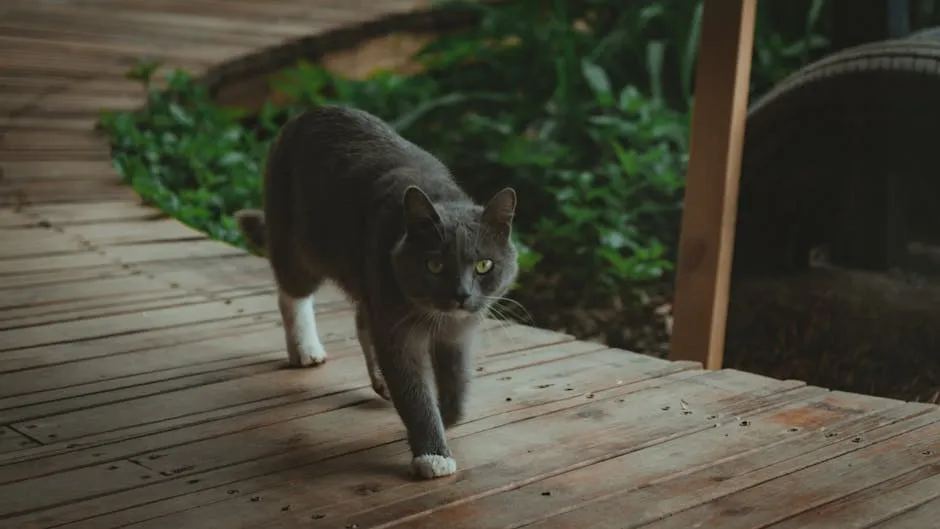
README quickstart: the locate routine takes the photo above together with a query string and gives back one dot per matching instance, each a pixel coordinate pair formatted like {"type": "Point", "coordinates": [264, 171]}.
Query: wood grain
{"type": "Point", "coordinates": [703, 268]}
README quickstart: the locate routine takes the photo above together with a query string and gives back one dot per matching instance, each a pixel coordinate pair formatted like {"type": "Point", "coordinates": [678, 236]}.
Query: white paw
{"type": "Point", "coordinates": [306, 354]}
{"type": "Point", "coordinates": [433, 466]}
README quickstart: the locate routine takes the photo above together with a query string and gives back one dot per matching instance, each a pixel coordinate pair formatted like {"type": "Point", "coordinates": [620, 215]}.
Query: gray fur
{"type": "Point", "coordinates": [348, 199]}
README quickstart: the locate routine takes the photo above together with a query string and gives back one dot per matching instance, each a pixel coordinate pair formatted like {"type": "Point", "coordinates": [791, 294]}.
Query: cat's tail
{"type": "Point", "coordinates": [251, 223]}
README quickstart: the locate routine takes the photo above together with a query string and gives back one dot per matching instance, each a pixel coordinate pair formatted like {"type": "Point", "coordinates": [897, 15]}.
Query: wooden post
{"type": "Point", "coordinates": [711, 194]}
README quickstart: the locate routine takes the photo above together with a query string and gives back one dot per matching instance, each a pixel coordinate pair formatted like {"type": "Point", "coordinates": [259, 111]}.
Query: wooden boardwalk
{"type": "Point", "coordinates": [141, 379]}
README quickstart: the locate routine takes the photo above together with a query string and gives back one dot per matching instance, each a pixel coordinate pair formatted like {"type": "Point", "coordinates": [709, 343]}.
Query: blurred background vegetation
{"type": "Point", "coordinates": [582, 105]}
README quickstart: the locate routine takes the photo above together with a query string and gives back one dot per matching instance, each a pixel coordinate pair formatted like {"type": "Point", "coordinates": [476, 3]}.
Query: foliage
{"type": "Point", "coordinates": [581, 105]}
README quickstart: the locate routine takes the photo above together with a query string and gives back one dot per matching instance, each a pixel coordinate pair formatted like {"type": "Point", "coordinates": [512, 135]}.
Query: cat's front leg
{"type": "Point", "coordinates": [403, 364]}
{"type": "Point", "coordinates": [452, 360]}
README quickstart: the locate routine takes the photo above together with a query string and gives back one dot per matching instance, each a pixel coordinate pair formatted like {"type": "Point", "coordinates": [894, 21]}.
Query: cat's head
{"type": "Point", "coordinates": [456, 258]}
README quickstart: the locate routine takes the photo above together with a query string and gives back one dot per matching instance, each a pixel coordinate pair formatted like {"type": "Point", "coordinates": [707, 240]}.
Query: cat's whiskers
{"type": "Point", "coordinates": [527, 318]}
{"type": "Point", "coordinates": [503, 326]}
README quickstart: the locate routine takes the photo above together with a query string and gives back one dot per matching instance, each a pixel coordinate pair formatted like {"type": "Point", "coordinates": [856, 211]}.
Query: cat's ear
{"type": "Point", "coordinates": [421, 217]}
{"type": "Point", "coordinates": [501, 209]}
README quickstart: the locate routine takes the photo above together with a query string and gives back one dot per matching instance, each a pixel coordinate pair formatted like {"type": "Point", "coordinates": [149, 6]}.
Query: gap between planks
{"type": "Point", "coordinates": [266, 454]}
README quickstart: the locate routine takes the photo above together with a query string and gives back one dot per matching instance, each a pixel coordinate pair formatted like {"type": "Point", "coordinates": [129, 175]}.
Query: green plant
{"type": "Point", "coordinates": [581, 105]}
{"type": "Point", "coordinates": [188, 156]}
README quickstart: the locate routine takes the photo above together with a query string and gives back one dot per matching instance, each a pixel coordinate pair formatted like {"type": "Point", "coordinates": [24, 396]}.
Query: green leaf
{"type": "Point", "coordinates": [598, 82]}
{"type": "Point", "coordinates": [655, 56]}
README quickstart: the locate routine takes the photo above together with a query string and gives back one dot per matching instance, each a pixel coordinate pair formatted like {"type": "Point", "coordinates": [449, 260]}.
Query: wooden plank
{"type": "Point", "coordinates": [19, 269]}
{"type": "Point", "coordinates": [232, 347]}
{"type": "Point", "coordinates": [821, 483]}
{"type": "Point", "coordinates": [866, 508]}
{"type": "Point", "coordinates": [186, 332]}
{"type": "Point", "coordinates": [707, 236]}
{"type": "Point", "coordinates": [19, 332]}
{"type": "Point", "coordinates": [252, 445]}
{"type": "Point", "coordinates": [94, 86]}
{"type": "Point", "coordinates": [917, 518]}
{"type": "Point", "coordinates": [17, 390]}
{"type": "Point", "coordinates": [137, 231]}
{"type": "Point", "coordinates": [109, 326]}
{"type": "Point", "coordinates": [147, 438]}
{"type": "Point", "coordinates": [556, 437]}
{"type": "Point", "coordinates": [126, 255]}
{"type": "Point", "coordinates": [532, 501]}
{"type": "Point", "coordinates": [69, 105]}
{"type": "Point", "coordinates": [19, 83]}
{"type": "Point", "coordinates": [143, 385]}
{"type": "Point", "coordinates": [16, 170]}
{"type": "Point", "coordinates": [58, 456]}
{"type": "Point", "coordinates": [114, 31]}
{"type": "Point", "coordinates": [257, 443]}
{"type": "Point", "coordinates": [43, 296]}
{"type": "Point", "coordinates": [74, 192]}
{"type": "Point", "coordinates": [674, 502]}
{"type": "Point", "coordinates": [22, 243]}
{"type": "Point", "coordinates": [174, 250]}
{"type": "Point", "coordinates": [323, 16]}
{"type": "Point", "coordinates": [28, 279]}
{"type": "Point", "coordinates": [77, 155]}
{"type": "Point", "coordinates": [24, 317]}
{"type": "Point", "coordinates": [54, 41]}
{"type": "Point", "coordinates": [94, 309]}
{"type": "Point", "coordinates": [20, 122]}
{"type": "Point", "coordinates": [10, 219]}
{"type": "Point", "coordinates": [240, 269]}
{"type": "Point", "coordinates": [100, 212]}
{"type": "Point", "coordinates": [126, 413]}
{"type": "Point", "coordinates": [41, 142]}
{"type": "Point", "coordinates": [32, 56]}
{"type": "Point", "coordinates": [13, 441]}
{"type": "Point", "coordinates": [26, 63]}
{"type": "Point", "coordinates": [346, 436]}
{"type": "Point", "coordinates": [215, 29]}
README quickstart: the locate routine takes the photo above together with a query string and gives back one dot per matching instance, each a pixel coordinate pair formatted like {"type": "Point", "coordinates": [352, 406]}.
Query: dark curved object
{"type": "Point", "coordinates": [843, 152]}
{"type": "Point", "coordinates": [927, 33]}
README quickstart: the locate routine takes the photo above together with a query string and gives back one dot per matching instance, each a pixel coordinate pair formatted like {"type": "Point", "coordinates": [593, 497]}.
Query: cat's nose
{"type": "Point", "coordinates": [461, 296]}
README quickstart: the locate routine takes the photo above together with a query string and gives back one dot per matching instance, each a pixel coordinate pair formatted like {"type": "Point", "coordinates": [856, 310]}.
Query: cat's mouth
{"type": "Point", "coordinates": [450, 309]}
{"type": "Point", "coordinates": [453, 311]}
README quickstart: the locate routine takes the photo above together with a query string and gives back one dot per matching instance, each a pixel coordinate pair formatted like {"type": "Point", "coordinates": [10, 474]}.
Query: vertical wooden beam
{"type": "Point", "coordinates": [711, 193]}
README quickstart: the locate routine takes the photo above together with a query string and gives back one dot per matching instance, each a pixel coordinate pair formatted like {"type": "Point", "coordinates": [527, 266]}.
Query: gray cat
{"type": "Point", "coordinates": [348, 199]}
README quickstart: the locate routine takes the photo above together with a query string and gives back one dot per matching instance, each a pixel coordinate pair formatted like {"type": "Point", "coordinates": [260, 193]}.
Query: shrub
{"type": "Point", "coordinates": [581, 105]}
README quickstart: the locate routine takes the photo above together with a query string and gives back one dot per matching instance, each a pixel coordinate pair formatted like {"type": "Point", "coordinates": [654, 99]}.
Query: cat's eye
{"type": "Point", "coordinates": [483, 266]}
{"type": "Point", "coordinates": [435, 266]}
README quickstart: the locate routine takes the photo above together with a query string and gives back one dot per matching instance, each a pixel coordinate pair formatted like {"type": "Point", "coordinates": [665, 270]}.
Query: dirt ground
{"type": "Point", "coordinates": [862, 332]}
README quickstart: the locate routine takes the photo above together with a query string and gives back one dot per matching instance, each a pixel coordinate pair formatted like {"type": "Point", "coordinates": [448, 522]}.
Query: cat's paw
{"type": "Point", "coordinates": [433, 466]}
{"type": "Point", "coordinates": [305, 354]}
{"type": "Point", "coordinates": [451, 411]}
{"type": "Point", "coordinates": [380, 387]}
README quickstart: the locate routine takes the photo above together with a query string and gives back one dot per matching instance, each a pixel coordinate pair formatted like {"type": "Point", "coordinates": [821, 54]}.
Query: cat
{"type": "Point", "coordinates": [347, 199]}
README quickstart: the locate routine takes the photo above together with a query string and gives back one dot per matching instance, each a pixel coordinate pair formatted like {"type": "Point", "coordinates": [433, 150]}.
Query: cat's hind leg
{"type": "Point", "coordinates": [296, 287]}
{"type": "Point", "coordinates": [304, 348]}
{"type": "Point", "coordinates": [368, 350]}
